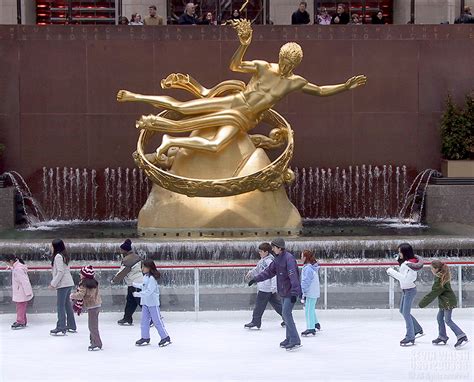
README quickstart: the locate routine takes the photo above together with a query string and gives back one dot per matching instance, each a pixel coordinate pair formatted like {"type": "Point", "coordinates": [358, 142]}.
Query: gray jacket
{"type": "Point", "coordinates": [61, 273]}
{"type": "Point", "coordinates": [269, 285]}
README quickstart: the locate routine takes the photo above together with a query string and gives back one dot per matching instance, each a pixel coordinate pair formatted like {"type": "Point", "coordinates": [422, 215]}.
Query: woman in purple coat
{"type": "Point", "coordinates": [285, 268]}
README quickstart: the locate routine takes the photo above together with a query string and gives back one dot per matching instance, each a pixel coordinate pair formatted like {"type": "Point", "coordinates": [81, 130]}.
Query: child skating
{"type": "Point", "coordinates": [409, 265]}
{"type": "Point", "coordinates": [446, 301]}
{"type": "Point", "coordinates": [150, 301]}
{"type": "Point", "coordinates": [21, 289]}
{"type": "Point", "coordinates": [267, 290]}
{"type": "Point", "coordinates": [311, 291]}
{"type": "Point", "coordinates": [88, 297]}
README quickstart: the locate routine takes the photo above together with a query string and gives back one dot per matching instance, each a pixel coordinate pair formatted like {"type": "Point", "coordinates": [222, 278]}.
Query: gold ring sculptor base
{"type": "Point", "coordinates": [169, 213]}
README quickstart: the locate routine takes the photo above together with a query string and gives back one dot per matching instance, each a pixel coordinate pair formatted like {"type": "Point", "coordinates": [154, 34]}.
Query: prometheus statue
{"type": "Point", "coordinates": [219, 161]}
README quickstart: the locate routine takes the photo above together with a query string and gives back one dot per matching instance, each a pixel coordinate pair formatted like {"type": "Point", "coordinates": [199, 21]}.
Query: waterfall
{"type": "Point", "coordinates": [375, 191]}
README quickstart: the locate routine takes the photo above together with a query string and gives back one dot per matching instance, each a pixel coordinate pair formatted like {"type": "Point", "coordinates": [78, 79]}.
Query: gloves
{"type": "Point", "coordinates": [138, 285]}
{"type": "Point", "coordinates": [136, 294]}
{"type": "Point", "coordinates": [293, 299]}
{"type": "Point", "coordinates": [251, 282]}
{"type": "Point", "coordinates": [303, 300]}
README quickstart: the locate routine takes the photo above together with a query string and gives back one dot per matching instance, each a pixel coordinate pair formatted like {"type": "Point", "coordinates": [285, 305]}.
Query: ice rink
{"type": "Point", "coordinates": [353, 345]}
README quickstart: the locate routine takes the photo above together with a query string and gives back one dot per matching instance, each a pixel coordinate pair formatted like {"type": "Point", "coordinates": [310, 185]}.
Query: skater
{"type": "Point", "coordinates": [285, 268]}
{"type": "Point", "coordinates": [130, 272]}
{"type": "Point", "coordinates": [21, 289]}
{"type": "Point", "coordinates": [150, 301]}
{"type": "Point", "coordinates": [62, 282]}
{"type": "Point", "coordinates": [88, 297]}
{"type": "Point", "coordinates": [266, 289]}
{"type": "Point", "coordinates": [446, 302]}
{"type": "Point", "coordinates": [311, 291]}
{"type": "Point", "coordinates": [409, 266]}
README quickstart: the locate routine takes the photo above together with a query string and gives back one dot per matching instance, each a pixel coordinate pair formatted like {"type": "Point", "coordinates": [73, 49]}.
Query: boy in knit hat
{"type": "Point", "coordinates": [130, 272]}
{"type": "Point", "coordinates": [285, 268]}
{"type": "Point", "coordinates": [88, 297]}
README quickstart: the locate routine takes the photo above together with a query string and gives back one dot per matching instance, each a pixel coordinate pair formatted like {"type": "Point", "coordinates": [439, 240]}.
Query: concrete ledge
{"type": "Point", "coordinates": [7, 208]}
{"type": "Point", "coordinates": [450, 203]}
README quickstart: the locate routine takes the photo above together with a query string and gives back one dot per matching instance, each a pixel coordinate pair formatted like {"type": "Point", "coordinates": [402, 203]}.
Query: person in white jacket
{"type": "Point", "coordinates": [267, 290]}
{"type": "Point", "coordinates": [63, 283]}
{"type": "Point", "coordinates": [407, 274]}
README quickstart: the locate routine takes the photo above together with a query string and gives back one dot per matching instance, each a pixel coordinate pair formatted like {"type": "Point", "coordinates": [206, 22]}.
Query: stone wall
{"type": "Point", "coordinates": [7, 208]}
{"type": "Point", "coordinates": [450, 203]}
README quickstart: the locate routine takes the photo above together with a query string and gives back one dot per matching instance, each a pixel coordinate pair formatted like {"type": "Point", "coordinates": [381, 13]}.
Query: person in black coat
{"type": "Point", "coordinates": [341, 16]}
{"type": "Point", "coordinates": [300, 16]}
{"type": "Point", "coordinates": [378, 18]}
{"type": "Point", "coordinates": [189, 15]}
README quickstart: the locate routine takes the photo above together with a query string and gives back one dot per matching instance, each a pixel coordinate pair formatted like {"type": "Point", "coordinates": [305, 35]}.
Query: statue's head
{"type": "Point", "coordinates": [290, 57]}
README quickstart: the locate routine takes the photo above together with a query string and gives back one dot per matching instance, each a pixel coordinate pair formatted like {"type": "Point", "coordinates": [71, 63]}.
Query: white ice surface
{"type": "Point", "coordinates": [354, 345]}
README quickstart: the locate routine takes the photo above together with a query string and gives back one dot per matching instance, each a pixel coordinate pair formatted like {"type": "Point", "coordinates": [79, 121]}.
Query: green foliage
{"type": "Point", "coordinates": [457, 130]}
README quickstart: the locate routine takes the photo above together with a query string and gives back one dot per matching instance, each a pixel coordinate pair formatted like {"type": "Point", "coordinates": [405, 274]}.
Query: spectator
{"type": "Point", "coordinates": [323, 18]}
{"type": "Point", "coordinates": [356, 20]}
{"type": "Point", "coordinates": [300, 16]}
{"type": "Point", "coordinates": [209, 19]}
{"type": "Point", "coordinates": [153, 18]}
{"type": "Point", "coordinates": [341, 16]}
{"type": "Point", "coordinates": [189, 15]}
{"type": "Point", "coordinates": [136, 19]}
{"type": "Point", "coordinates": [378, 18]}
{"type": "Point", "coordinates": [465, 18]}
{"type": "Point", "coordinates": [123, 20]}
{"type": "Point", "coordinates": [235, 15]}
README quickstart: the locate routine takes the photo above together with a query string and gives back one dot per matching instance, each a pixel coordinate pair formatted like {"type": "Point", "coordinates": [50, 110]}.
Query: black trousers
{"type": "Point", "coordinates": [263, 298]}
{"type": "Point", "coordinates": [132, 303]}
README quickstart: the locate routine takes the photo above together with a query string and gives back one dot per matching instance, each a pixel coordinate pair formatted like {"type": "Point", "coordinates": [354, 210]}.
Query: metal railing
{"type": "Point", "coordinates": [459, 265]}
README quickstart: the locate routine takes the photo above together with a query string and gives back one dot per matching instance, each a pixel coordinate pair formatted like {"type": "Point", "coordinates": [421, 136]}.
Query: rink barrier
{"type": "Point", "coordinates": [391, 285]}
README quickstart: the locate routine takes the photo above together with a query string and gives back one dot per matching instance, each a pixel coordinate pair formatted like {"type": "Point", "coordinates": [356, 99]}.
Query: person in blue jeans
{"type": "Point", "coordinates": [150, 302]}
{"type": "Point", "coordinates": [409, 266]}
{"type": "Point", "coordinates": [285, 268]}
{"type": "Point", "coordinates": [446, 303]}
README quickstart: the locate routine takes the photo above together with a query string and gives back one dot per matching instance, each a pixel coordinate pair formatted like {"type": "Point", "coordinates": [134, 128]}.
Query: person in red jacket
{"type": "Point", "coordinates": [21, 289]}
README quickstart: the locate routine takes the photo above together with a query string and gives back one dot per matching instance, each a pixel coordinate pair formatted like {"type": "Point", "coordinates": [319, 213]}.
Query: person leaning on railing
{"type": "Point", "coordinates": [153, 18]}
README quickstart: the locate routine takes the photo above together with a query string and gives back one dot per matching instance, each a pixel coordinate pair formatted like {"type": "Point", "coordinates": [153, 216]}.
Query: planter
{"type": "Point", "coordinates": [458, 168]}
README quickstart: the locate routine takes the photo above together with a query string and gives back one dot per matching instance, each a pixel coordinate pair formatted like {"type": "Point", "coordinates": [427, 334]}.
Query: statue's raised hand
{"type": "Point", "coordinates": [355, 81]}
{"type": "Point", "coordinates": [244, 30]}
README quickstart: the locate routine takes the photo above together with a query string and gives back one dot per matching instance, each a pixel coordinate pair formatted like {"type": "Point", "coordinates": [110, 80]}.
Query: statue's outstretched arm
{"type": "Point", "coordinates": [244, 31]}
{"type": "Point", "coordinates": [329, 90]}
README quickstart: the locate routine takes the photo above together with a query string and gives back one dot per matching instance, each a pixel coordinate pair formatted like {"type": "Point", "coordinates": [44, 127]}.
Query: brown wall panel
{"type": "Point", "coordinates": [52, 77]}
{"type": "Point", "coordinates": [58, 86]}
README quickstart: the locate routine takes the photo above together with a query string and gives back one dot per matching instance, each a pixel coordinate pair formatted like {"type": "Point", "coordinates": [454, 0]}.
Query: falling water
{"type": "Point", "coordinates": [119, 193]}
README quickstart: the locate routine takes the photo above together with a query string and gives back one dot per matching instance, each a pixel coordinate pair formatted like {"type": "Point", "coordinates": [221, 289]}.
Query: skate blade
{"type": "Point", "coordinates": [419, 335]}
{"type": "Point", "coordinates": [254, 328]}
{"type": "Point", "coordinates": [164, 345]}
{"type": "Point", "coordinates": [462, 345]}
{"type": "Point", "coordinates": [125, 324]}
{"type": "Point", "coordinates": [407, 345]}
{"type": "Point", "coordinates": [95, 349]}
{"type": "Point", "coordinates": [58, 334]}
{"type": "Point", "coordinates": [440, 344]}
{"type": "Point", "coordinates": [145, 344]}
{"type": "Point", "coordinates": [294, 348]}
{"type": "Point", "coordinates": [19, 328]}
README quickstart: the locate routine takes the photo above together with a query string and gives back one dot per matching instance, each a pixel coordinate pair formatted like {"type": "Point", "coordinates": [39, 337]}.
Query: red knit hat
{"type": "Point", "coordinates": [88, 272]}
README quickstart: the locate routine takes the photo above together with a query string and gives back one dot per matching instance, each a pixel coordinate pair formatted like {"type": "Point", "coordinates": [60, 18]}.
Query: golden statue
{"type": "Point", "coordinates": [220, 176]}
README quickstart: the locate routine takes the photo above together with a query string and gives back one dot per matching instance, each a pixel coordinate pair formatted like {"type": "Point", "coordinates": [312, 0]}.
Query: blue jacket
{"type": "Point", "coordinates": [284, 267]}
{"type": "Point", "coordinates": [150, 293]}
{"type": "Point", "coordinates": [310, 281]}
